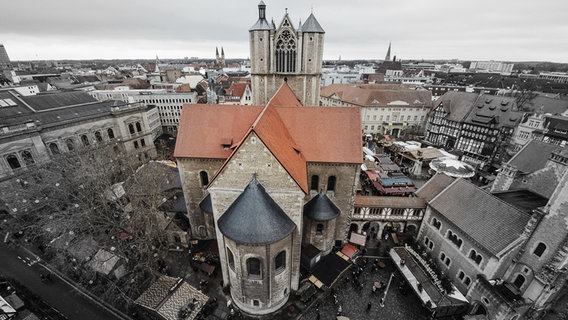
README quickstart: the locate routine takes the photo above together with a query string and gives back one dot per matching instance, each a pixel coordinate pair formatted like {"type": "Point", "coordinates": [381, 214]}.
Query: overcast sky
{"type": "Point", "coordinates": [510, 30]}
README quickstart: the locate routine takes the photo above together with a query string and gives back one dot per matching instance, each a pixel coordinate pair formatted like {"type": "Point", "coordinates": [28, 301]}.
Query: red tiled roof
{"type": "Point", "coordinates": [293, 133]}
{"type": "Point", "coordinates": [237, 89]}
{"type": "Point", "coordinates": [184, 88]}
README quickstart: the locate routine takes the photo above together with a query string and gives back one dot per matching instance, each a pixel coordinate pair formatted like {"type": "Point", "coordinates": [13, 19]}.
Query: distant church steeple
{"type": "Point", "coordinates": [388, 56]}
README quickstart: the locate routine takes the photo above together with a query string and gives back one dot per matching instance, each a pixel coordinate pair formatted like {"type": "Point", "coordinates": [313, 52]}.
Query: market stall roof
{"type": "Point", "coordinates": [452, 167]}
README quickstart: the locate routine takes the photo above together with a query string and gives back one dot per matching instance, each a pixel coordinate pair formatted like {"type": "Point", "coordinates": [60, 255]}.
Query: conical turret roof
{"type": "Point", "coordinates": [321, 208]}
{"type": "Point", "coordinates": [255, 218]}
{"type": "Point", "coordinates": [312, 25]}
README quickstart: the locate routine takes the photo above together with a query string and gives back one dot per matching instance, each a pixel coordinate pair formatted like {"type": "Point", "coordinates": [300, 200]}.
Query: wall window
{"type": "Point", "coordinates": [70, 144]}
{"type": "Point", "coordinates": [131, 128]}
{"type": "Point", "coordinates": [135, 144]}
{"type": "Point", "coordinates": [467, 281]}
{"type": "Point", "coordinates": [436, 223]}
{"type": "Point", "coordinates": [285, 52]}
{"type": "Point", "coordinates": [454, 239]}
{"type": "Point", "coordinates": [539, 250]}
{"type": "Point", "coordinates": [519, 281]}
{"type": "Point", "coordinates": [314, 185]}
{"type": "Point", "coordinates": [204, 178]}
{"type": "Point", "coordinates": [110, 133]}
{"type": "Point", "coordinates": [331, 183]}
{"type": "Point", "coordinates": [253, 267]}
{"type": "Point", "coordinates": [319, 229]}
{"type": "Point", "coordinates": [231, 259]}
{"type": "Point", "coordinates": [98, 136]}
{"type": "Point", "coordinates": [445, 259]}
{"type": "Point", "coordinates": [27, 157]}
{"type": "Point", "coordinates": [138, 127]}
{"type": "Point", "coordinates": [476, 257]}
{"type": "Point", "coordinates": [461, 275]}
{"type": "Point", "coordinates": [280, 261]}
{"type": "Point", "coordinates": [142, 142]}
{"type": "Point", "coordinates": [54, 148]}
{"type": "Point", "coordinates": [13, 161]}
{"type": "Point", "coordinates": [85, 140]}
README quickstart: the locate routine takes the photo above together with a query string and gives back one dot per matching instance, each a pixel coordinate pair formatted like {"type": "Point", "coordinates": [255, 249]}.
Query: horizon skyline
{"type": "Point", "coordinates": [437, 30]}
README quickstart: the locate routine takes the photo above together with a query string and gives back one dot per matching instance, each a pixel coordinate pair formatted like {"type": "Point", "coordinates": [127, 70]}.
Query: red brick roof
{"type": "Point", "coordinates": [237, 89]}
{"type": "Point", "coordinates": [293, 133]}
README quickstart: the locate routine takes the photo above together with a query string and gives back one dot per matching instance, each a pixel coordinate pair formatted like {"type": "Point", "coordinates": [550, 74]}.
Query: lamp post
{"type": "Point", "coordinates": [382, 303]}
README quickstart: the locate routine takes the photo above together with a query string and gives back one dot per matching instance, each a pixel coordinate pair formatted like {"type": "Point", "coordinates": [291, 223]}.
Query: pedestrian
{"type": "Point", "coordinates": [369, 305]}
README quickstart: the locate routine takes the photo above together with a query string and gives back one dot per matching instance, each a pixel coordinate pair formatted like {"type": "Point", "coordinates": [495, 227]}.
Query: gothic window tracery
{"type": "Point", "coordinates": [286, 52]}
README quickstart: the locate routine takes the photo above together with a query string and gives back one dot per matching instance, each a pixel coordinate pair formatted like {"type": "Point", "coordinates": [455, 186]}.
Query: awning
{"type": "Point", "coordinates": [349, 250]}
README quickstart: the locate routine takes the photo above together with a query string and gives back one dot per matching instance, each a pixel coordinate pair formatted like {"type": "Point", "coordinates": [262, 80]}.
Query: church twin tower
{"type": "Point", "coordinates": [286, 54]}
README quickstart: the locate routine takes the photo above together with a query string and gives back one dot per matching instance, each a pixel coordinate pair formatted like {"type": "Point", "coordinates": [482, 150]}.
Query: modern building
{"type": "Point", "coordinates": [492, 67]}
{"type": "Point", "coordinates": [168, 104]}
{"type": "Point", "coordinates": [264, 181]}
{"type": "Point", "coordinates": [34, 128]}
{"type": "Point", "coordinates": [286, 54]}
{"type": "Point", "coordinates": [386, 109]}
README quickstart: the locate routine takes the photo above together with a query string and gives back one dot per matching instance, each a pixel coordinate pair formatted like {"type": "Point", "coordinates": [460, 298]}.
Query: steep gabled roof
{"type": "Point", "coordinates": [434, 186]}
{"type": "Point", "coordinates": [312, 25]}
{"type": "Point", "coordinates": [255, 218]}
{"type": "Point", "coordinates": [488, 220]}
{"type": "Point", "coordinates": [533, 156]}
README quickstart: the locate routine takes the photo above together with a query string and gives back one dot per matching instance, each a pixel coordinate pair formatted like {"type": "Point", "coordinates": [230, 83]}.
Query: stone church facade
{"type": "Point", "coordinates": [286, 54]}
{"type": "Point", "coordinates": [266, 181]}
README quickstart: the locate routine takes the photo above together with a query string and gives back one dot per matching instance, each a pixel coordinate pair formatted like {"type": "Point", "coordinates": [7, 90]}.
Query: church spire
{"type": "Point", "coordinates": [388, 56]}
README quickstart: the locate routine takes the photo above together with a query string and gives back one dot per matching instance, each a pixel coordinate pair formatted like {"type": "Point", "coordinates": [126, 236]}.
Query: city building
{"type": "Point", "coordinates": [265, 181]}
{"type": "Point", "coordinates": [286, 54]}
{"type": "Point", "coordinates": [386, 109]}
{"type": "Point", "coordinates": [168, 104]}
{"type": "Point", "coordinates": [492, 67]}
{"type": "Point", "coordinates": [478, 125]}
{"type": "Point", "coordinates": [33, 128]}
{"type": "Point", "coordinates": [505, 251]}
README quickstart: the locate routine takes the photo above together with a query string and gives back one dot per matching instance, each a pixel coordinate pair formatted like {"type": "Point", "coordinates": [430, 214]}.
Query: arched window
{"type": "Point", "coordinates": [476, 257]}
{"type": "Point", "coordinates": [280, 261]}
{"type": "Point", "coordinates": [27, 157]}
{"type": "Point", "coordinates": [314, 185]}
{"type": "Point", "coordinates": [138, 127]}
{"type": "Point", "coordinates": [131, 128]}
{"type": "Point", "coordinates": [253, 267]}
{"type": "Point", "coordinates": [110, 133]}
{"type": "Point", "coordinates": [54, 148]}
{"type": "Point", "coordinates": [285, 52]}
{"type": "Point", "coordinates": [70, 144]}
{"type": "Point", "coordinates": [231, 259]}
{"type": "Point", "coordinates": [13, 161]}
{"type": "Point", "coordinates": [319, 229]}
{"type": "Point", "coordinates": [539, 250]}
{"type": "Point", "coordinates": [98, 136]}
{"type": "Point", "coordinates": [85, 140]}
{"type": "Point", "coordinates": [519, 281]}
{"type": "Point", "coordinates": [331, 183]}
{"type": "Point", "coordinates": [204, 178]}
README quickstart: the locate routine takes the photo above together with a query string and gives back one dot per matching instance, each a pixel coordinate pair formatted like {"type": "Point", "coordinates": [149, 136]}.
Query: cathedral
{"type": "Point", "coordinates": [270, 179]}
{"type": "Point", "coordinates": [265, 181]}
{"type": "Point", "coordinates": [286, 54]}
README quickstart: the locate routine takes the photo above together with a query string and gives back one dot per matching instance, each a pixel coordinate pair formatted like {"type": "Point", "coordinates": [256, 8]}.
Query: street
{"type": "Point", "coordinates": [22, 266]}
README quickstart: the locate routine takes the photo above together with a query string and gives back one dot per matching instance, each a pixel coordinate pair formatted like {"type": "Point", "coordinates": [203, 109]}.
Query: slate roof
{"type": "Point", "coordinates": [488, 220]}
{"type": "Point", "coordinates": [492, 109]}
{"type": "Point", "coordinates": [533, 156]}
{"type": "Point", "coordinates": [542, 182]}
{"type": "Point", "coordinates": [321, 208]}
{"type": "Point", "coordinates": [525, 200]}
{"type": "Point", "coordinates": [255, 218]}
{"type": "Point", "coordinates": [312, 25]}
{"type": "Point", "coordinates": [545, 104]}
{"type": "Point", "coordinates": [52, 109]}
{"type": "Point", "coordinates": [456, 104]}
{"type": "Point", "coordinates": [167, 296]}
{"type": "Point", "coordinates": [175, 204]}
{"type": "Point", "coordinates": [377, 95]}
{"type": "Point", "coordinates": [153, 177]}
{"type": "Point", "coordinates": [206, 205]}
